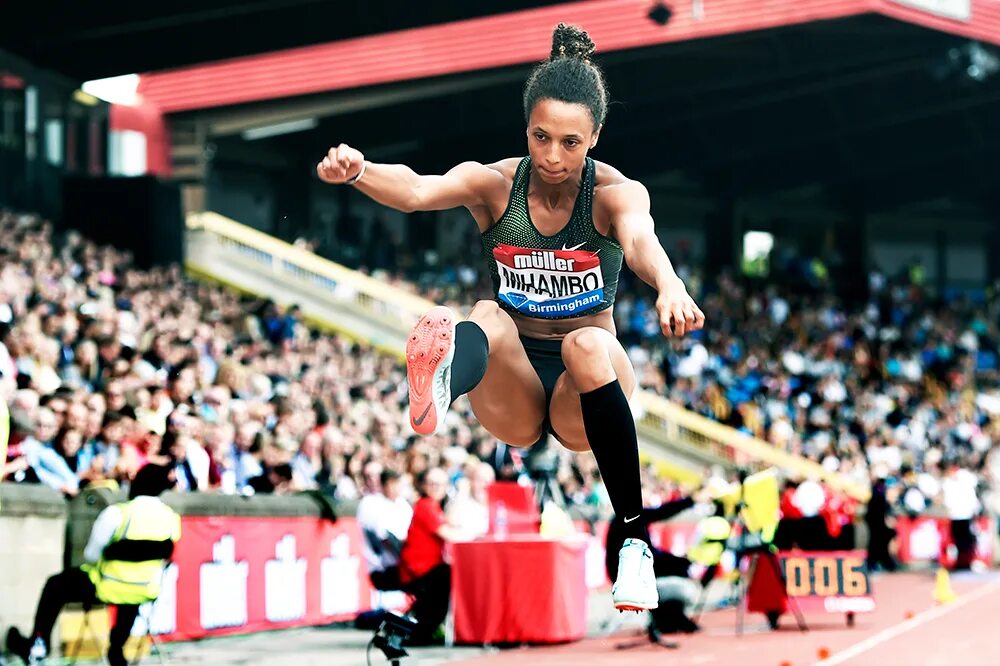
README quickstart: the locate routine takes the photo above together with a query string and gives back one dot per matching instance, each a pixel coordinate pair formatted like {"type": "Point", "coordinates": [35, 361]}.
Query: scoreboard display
{"type": "Point", "coordinates": [837, 582]}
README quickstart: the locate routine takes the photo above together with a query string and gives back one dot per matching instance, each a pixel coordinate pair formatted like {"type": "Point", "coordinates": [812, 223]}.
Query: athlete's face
{"type": "Point", "coordinates": [559, 136]}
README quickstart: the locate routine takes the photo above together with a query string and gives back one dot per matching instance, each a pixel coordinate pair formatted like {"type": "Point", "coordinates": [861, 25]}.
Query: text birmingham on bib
{"type": "Point", "coordinates": [549, 283]}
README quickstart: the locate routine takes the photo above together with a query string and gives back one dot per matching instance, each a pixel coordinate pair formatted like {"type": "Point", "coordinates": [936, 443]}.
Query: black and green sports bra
{"type": "Point", "coordinates": [572, 273]}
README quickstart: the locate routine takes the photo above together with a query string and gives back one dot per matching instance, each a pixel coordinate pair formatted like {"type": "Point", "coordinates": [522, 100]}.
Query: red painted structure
{"type": "Point", "coordinates": [515, 38]}
{"type": "Point", "coordinates": [511, 39]}
{"type": "Point", "coordinates": [148, 120]}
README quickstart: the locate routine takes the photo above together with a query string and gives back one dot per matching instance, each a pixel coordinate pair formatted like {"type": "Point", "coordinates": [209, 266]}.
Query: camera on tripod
{"type": "Point", "coordinates": [542, 463]}
{"type": "Point", "coordinates": [391, 634]}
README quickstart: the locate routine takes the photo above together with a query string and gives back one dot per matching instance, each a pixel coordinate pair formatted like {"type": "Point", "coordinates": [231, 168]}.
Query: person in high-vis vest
{"type": "Point", "coordinates": [129, 546]}
{"type": "Point", "coordinates": [711, 535]}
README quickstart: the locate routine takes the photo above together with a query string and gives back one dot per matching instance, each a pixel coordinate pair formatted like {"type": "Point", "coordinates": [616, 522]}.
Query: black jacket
{"type": "Point", "coordinates": [617, 531]}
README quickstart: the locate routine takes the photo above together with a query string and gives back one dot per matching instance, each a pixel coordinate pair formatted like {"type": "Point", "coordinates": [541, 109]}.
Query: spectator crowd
{"type": "Point", "coordinates": [107, 367]}
{"type": "Point", "coordinates": [901, 389]}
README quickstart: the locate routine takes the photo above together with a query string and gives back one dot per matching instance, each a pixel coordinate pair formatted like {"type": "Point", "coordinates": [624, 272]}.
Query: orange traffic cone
{"type": "Point", "coordinates": [943, 594]}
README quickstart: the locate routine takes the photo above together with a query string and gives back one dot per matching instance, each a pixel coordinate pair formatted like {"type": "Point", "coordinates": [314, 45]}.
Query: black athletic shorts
{"type": "Point", "coordinates": [546, 359]}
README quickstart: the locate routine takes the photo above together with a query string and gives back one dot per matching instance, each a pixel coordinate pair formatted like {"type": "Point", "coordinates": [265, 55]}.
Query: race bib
{"type": "Point", "coordinates": [549, 283]}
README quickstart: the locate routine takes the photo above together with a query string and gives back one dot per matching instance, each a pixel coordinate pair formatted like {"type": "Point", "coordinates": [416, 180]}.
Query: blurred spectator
{"type": "Point", "coordinates": [422, 567]}
{"type": "Point", "coordinates": [960, 501]}
{"type": "Point", "coordinates": [470, 506]}
{"type": "Point", "coordinates": [878, 518]}
{"type": "Point", "coordinates": [275, 480]}
{"type": "Point", "coordinates": [384, 517]}
{"type": "Point", "coordinates": [48, 464]}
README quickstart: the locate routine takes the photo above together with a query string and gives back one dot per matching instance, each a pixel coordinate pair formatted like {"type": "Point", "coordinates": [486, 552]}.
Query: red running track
{"type": "Point", "coordinates": [907, 628]}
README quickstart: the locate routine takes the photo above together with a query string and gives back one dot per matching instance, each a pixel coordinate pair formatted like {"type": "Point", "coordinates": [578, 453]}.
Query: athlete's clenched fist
{"type": "Point", "coordinates": [340, 165]}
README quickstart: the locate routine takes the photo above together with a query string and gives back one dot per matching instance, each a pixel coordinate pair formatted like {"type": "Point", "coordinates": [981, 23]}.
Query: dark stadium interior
{"type": "Point", "coordinates": [93, 40]}
{"type": "Point", "coordinates": [882, 112]}
{"type": "Point", "coordinates": [881, 121]}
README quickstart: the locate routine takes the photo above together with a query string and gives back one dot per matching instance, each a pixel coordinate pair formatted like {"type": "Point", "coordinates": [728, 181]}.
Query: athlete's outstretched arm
{"type": "Point", "coordinates": [399, 187]}
{"type": "Point", "coordinates": [632, 225]}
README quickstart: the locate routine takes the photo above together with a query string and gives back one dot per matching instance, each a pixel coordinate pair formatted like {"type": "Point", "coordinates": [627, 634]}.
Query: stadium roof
{"type": "Point", "coordinates": [520, 37]}
{"type": "Point", "coordinates": [90, 40]}
{"type": "Point", "coordinates": [881, 112]}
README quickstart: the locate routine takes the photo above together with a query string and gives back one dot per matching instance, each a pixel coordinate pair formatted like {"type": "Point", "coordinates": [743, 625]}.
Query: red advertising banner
{"type": "Point", "coordinates": [928, 538]}
{"type": "Point", "coordinates": [234, 574]}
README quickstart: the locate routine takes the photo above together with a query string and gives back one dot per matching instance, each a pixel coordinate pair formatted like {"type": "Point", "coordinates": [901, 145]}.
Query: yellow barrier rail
{"type": "Point", "coordinates": [660, 419]}
{"type": "Point", "coordinates": [732, 446]}
{"type": "Point", "coordinates": [342, 284]}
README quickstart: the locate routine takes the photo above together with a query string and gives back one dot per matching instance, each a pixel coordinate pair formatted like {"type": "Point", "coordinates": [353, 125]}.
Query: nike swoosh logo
{"type": "Point", "coordinates": [575, 247]}
{"type": "Point", "coordinates": [420, 419]}
{"type": "Point", "coordinates": [627, 520]}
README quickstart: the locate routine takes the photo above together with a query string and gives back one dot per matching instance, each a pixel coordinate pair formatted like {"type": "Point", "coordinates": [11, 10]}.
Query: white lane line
{"type": "Point", "coordinates": [903, 627]}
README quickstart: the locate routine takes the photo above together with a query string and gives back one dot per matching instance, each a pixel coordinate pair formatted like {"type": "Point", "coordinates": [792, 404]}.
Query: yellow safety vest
{"type": "Point", "coordinates": [712, 534]}
{"type": "Point", "coordinates": [122, 582]}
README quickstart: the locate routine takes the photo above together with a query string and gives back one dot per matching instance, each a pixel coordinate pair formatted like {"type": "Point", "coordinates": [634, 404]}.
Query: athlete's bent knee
{"type": "Point", "coordinates": [587, 358]}
{"type": "Point", "coordinates": [523, 439]}
{"type": "Point", "coordinates": [584, 346]}
{"type": "Point", "coordinates": [493, 320]}
{"type": "Point", "coordinates": [575, 447]}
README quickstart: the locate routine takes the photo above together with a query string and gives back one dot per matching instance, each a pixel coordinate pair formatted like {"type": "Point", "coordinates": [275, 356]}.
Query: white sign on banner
{"type": "Point", "coordinates": [285, 583]}
{"type": "Point", "coordinates": [224, 587]}
{"type": "Point", "coordinates": [340, 587]}
{"type": "Point", "coordinates": [960, 10]}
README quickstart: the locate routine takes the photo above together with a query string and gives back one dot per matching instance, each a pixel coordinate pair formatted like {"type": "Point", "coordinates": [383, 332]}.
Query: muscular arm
{"type": "Point", "coordinates": [400, 187]}
{"type": "Point", "coordinates": [632, 225]}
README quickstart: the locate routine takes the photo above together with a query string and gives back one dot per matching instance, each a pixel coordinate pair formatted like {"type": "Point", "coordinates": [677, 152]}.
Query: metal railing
{"type": "Point", "coordinates": [659, 420]}
{"type": "Point", "coordinates": [381, 301]}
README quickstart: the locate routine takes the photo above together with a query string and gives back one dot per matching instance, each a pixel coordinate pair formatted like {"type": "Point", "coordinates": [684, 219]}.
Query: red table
{"type": "Point", "coordinates": [519, 589]}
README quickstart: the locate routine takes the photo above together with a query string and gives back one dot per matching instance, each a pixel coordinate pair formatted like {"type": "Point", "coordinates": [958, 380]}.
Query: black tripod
{"type": "Point", "coordinates": [755, 548]}
{"type": "Point", "coordinates": [543, 467]}
{"type": "Point", "coordinates": [753, 545]}
{"type": "Point", "coordinates": [653, 636]}
{"type": "Point", "coordinates": [546, 489]}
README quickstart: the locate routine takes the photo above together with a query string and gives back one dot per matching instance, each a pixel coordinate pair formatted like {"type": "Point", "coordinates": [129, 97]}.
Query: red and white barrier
{"type": "Point", "coordinates": [235, 575]}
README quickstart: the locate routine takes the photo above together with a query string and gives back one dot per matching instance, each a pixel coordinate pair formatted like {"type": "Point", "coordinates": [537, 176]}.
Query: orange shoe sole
{"type": "Point", "coordinates": [429, 350]}
{"type": "Point", "coordinates": [628, 607]}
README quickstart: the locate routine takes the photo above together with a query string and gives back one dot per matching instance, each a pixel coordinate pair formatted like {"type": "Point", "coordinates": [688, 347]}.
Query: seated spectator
{"type": "Point", "coordinates": [470, 507]}
{"type": "Point", "coordinates": [84, 463]}
{"type": "Point", "coordinates": [307, 463]}
{"type": "Point", "coordinates": [422, 567]}
{"type": "Point", "coordinates": [277, 480]}
{"type": "Point", "coordinates": [47, 463]}
{"type": "Point", "coordinates": [384, 518]}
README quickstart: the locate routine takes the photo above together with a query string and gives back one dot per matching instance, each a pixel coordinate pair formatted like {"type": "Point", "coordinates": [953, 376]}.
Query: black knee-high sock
{"type": "Point", "coordinates": [472, 349]}
{"type": "Point", "coordinates": [607, 420]}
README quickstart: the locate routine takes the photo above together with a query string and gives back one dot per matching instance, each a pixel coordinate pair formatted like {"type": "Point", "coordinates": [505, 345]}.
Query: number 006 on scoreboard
{"type": "Point", "coordinates": [838, 582]}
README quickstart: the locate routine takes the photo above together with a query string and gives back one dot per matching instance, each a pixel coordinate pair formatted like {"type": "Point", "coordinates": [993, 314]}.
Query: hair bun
{"type": "Point", "coordinates": [569, 41]}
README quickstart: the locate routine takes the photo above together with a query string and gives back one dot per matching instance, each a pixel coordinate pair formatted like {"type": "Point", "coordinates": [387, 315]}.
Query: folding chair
{"type": "Point", "coordinates": [145, 614]}
{"type": "Point", "coordinates": [91, 630]}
